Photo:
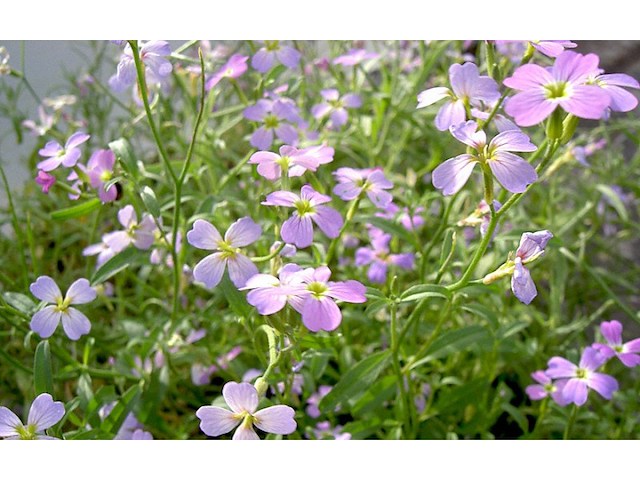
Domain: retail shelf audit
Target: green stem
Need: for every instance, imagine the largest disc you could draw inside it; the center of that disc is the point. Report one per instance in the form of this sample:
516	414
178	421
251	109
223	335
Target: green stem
572	420
16	228
395	347
541	415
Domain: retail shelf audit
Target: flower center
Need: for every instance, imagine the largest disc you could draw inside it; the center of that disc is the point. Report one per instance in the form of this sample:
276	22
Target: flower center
304	207
272	45
336	103
581	373
284	162
557	90
62	304
227	250
317	289
105	176
271	121
27	433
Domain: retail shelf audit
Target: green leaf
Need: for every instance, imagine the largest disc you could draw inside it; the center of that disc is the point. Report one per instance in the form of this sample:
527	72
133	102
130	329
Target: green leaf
517	415
120	411
420	292
614	200
236	300
150	201
116	264
42	370
20	302
455	341
356	381
124	154
77	210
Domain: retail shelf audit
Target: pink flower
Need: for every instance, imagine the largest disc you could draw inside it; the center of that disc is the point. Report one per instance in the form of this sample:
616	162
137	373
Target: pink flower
56	155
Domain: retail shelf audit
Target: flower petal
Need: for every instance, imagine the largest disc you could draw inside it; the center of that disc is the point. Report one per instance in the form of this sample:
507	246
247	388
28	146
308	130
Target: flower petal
298	230
522	284
329	220
9	422
587	101
243	232
46	289
209	270
241	397
276	419
513	172
604	384
612	332
431	96
80	292
245	433
349	291
45	322
204	235
575	391
241	269
215	421
321	314
453	174
44	412
75	323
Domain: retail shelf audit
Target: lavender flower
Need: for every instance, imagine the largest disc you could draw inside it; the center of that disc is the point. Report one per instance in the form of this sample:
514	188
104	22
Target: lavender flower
277	118
242	399
324	431
583	377
209	270
613	83
298	229
44	413
379	258
141	235
131	428
270	294
564	85
74	322
512	171
100	171
292	161
546	388
627	353
314	400
45	180
264	58
355	56
234	68
468	88
157	68
336	107
352	182
56	155
531	247
102	250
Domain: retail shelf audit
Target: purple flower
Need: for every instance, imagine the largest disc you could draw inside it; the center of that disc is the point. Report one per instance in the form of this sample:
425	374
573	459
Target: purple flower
512	171
336	107
564	85
582	153
545	388
582	377
264	58
379	258
100	171
468	88
74	322
55	154
209	270
294	162
627	353
141	235
277	118
354	56
317	306
353	182
552	48
131	428
314	400
157	68
44	413
298	229
234	68
242	399
531	247
102	250
45	180
46	122
324	431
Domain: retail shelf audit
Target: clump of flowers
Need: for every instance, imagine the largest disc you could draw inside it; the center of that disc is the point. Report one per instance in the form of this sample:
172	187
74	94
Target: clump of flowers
378	257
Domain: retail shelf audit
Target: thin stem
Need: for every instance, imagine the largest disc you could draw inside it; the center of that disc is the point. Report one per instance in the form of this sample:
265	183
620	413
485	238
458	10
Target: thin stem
572	420
395	346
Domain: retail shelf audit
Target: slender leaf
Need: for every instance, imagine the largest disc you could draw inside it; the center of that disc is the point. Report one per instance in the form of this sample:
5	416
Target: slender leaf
42	369
77	210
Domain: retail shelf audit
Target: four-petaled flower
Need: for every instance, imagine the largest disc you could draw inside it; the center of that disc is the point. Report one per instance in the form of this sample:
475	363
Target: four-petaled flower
513	172
627	353
100	171
545	388
277	117
352	182
336	107
210	269
141	235
44	413
468	88
242	399
542	90
582	377
56	155
157	68
298	229
379	257
74	322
